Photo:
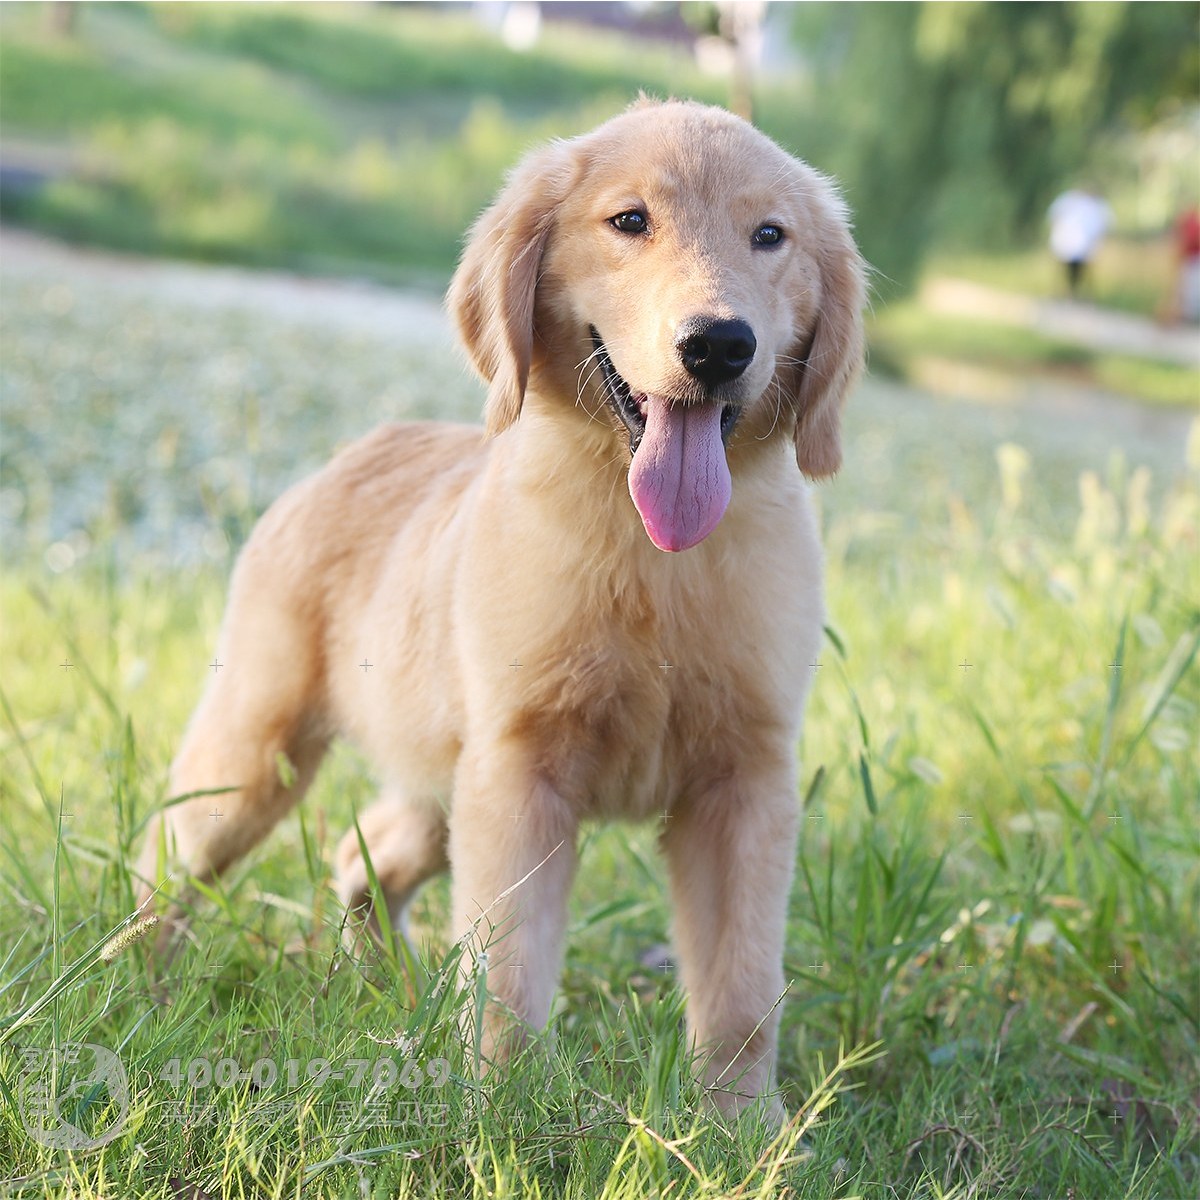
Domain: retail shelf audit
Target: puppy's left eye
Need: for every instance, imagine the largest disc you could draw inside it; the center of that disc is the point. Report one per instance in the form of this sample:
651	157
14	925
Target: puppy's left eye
632	221
767	235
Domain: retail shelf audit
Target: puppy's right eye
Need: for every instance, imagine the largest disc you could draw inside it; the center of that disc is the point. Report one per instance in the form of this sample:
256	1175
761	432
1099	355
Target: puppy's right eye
630	222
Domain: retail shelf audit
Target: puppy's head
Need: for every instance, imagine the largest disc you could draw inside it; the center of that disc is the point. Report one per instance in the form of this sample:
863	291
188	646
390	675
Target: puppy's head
678	273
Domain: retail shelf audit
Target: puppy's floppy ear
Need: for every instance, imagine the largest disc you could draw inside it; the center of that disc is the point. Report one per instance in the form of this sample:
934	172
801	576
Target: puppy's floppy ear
491	296
834	355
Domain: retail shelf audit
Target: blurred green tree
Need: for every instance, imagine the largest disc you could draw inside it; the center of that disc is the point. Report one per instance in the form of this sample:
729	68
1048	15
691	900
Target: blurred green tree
955	123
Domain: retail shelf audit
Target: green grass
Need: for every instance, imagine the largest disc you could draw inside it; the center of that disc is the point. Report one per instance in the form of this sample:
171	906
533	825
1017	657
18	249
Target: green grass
990	946
376	53
70	88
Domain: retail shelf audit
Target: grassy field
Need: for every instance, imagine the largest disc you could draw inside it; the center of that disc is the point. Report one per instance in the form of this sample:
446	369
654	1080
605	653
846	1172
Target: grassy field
991	947
993	980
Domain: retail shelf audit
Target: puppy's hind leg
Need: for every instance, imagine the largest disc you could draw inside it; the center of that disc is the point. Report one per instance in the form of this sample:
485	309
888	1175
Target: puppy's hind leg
406	840
257	732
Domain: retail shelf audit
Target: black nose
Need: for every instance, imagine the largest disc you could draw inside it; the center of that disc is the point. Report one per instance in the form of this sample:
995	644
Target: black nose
715	351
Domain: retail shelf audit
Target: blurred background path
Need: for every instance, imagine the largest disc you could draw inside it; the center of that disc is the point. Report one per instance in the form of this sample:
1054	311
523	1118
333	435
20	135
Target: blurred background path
1102	329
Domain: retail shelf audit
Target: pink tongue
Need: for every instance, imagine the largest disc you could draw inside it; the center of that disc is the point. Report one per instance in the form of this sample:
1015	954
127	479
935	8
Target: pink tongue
679	479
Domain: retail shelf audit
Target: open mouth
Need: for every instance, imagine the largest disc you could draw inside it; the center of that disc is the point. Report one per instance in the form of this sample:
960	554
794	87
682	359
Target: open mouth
630	406
679	479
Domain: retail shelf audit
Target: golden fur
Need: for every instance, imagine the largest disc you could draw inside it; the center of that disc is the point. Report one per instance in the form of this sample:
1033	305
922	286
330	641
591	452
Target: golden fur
534	659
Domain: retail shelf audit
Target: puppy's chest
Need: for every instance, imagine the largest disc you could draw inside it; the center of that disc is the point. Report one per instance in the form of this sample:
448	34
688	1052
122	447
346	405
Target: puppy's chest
619	723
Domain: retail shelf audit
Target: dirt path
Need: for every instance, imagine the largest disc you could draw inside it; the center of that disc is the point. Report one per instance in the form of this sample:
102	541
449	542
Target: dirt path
1086	324
296	299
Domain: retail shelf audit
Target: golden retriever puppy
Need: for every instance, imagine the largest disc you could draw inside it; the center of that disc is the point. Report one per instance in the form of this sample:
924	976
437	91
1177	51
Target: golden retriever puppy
607	605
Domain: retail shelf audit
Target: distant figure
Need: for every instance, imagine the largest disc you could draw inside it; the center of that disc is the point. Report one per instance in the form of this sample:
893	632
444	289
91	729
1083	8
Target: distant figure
1078	220
1187	253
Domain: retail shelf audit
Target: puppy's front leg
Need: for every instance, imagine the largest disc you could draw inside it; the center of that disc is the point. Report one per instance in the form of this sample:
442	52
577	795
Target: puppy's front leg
730	853
512	857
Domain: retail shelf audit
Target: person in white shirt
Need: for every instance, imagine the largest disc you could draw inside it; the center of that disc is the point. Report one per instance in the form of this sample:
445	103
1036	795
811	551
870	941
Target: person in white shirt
1078	220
